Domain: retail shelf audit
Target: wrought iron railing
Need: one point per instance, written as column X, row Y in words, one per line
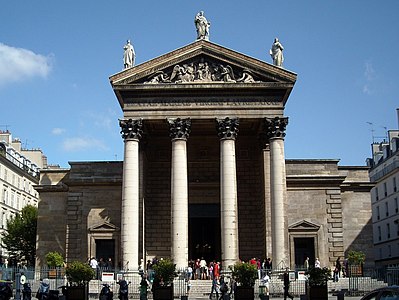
column 358, row 282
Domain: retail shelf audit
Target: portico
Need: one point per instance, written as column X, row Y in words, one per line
column 201, row 128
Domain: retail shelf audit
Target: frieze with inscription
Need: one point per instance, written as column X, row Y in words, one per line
column 177, row 102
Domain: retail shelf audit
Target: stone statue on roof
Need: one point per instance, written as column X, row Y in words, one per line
column 276, row 52
column 128, row 55
column 202, row 25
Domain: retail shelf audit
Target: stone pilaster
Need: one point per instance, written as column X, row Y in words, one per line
column 131, row 131
column 274, row 129
column 227, row 130
column 179, row 130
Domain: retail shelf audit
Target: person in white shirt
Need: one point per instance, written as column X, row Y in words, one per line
column 317, row 263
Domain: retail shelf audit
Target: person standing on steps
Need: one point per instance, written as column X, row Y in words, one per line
column 286, row 278
column 215, row 288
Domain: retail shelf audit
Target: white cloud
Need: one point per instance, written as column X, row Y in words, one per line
column 369, row 72
column 103, row 120
column 58, row 131
column 17, row 64
column 81, row 143
column 366, row 89
column 369, row 77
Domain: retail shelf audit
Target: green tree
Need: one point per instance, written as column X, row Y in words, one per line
column 20, row 236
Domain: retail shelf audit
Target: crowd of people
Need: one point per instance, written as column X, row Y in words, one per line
column 203, row 270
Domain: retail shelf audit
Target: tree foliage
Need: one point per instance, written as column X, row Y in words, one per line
column 318, row 276
column 79, row 273
column 244, row 273
column 19, row 239
column 165, row 271
column 54, row 259
column 356, row 257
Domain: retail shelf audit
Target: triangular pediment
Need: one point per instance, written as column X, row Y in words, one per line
column 104, row 227
column 304, row 225
column 203, row 62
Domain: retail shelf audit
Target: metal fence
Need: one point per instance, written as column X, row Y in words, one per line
column 363, row 280
column 56, row 278
column 358, row 282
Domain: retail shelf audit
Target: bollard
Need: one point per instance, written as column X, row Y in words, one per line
column 341, row 295
column 18, row 286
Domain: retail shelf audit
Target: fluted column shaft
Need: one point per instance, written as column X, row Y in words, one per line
column 131, row 133
column 275, row 131
column 179, row 130
column 227, row 132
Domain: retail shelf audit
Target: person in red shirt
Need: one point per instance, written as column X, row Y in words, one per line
column 216, row 270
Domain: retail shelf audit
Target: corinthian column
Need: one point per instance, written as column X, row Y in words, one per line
column 227, row 131
column 131, row 131
column 179, row 130
column 274, row 129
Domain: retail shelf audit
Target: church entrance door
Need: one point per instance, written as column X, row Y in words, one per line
column 105, row 248
column 204, row 232
column 304, row 247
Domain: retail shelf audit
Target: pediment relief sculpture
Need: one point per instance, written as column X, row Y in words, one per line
column 201, row 72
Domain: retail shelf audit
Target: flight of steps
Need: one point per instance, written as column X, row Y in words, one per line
column 200, row 288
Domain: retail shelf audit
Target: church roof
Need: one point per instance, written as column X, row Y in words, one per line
column 202, row 72
column 203, row 51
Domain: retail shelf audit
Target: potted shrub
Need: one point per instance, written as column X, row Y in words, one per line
column 245, row 275
column 317, row 279
column 356, row 260
column 54, row 261
column 165, row 272
column 78, row 275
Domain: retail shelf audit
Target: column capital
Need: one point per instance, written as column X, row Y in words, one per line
column 131, row 129
column 179, row 128
column 227, row 128
column 274, row 127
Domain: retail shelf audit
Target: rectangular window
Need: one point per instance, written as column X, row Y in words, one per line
column 394, row 184
column 376, row 194
column 385, row 189
column 388, row 231
column 5, row 196
column 379, row 233
column 386, row 209
column 389, row 251
column 12, row 199
column 378, row 212
column 396, row 205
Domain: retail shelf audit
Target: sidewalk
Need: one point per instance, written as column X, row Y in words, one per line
column 330, row 297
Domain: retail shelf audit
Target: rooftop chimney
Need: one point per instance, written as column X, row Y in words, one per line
column 397, row 112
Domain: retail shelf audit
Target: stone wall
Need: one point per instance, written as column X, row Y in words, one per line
column 85, row 200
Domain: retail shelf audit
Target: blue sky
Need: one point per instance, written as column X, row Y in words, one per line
column 56, row 58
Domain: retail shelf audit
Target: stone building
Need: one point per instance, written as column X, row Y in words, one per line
column 204, row 173
column 19, row 173
column 384, row 173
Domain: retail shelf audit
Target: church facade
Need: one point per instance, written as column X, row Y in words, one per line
column 204, row 174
